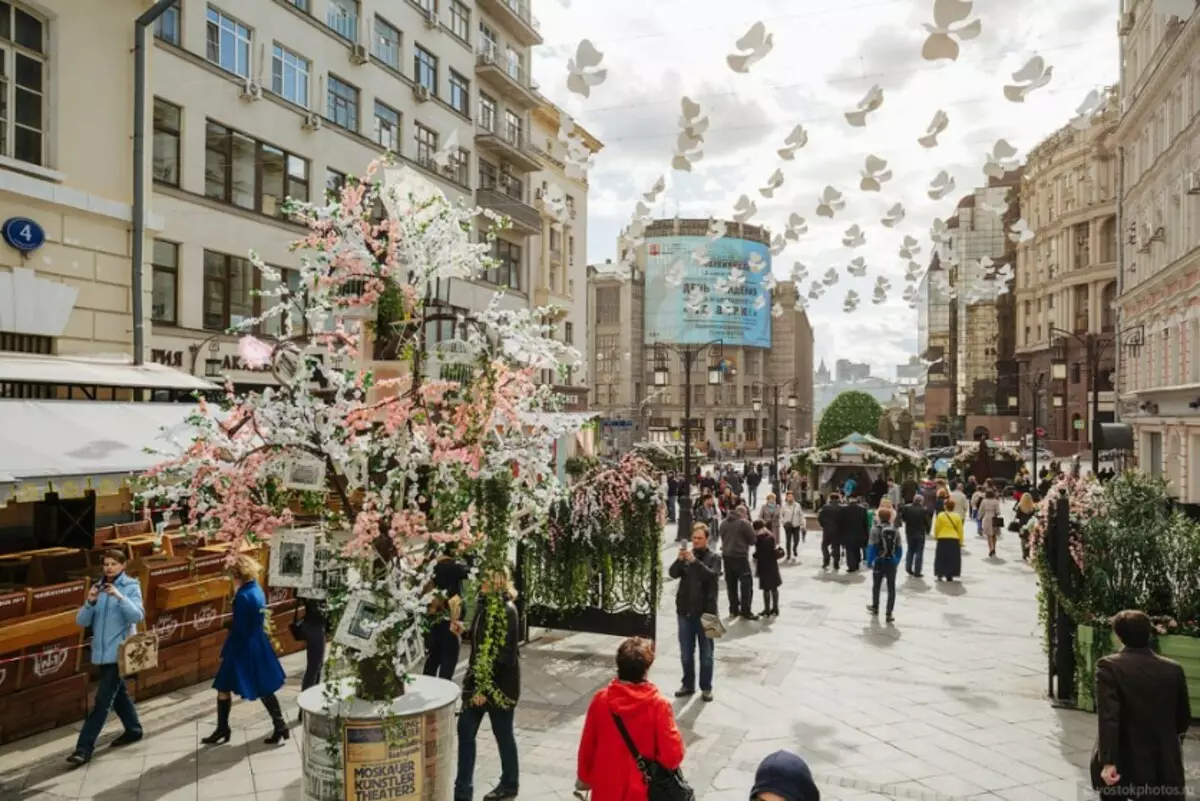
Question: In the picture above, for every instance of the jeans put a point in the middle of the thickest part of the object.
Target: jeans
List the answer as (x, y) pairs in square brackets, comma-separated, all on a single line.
[(753, 496), (443, 651), (739, 584), (671, 508), (506, 743), (884, 570), (792, 536), (691, 632), (314, 653), (111, 695), (830, 548), (914, 556)]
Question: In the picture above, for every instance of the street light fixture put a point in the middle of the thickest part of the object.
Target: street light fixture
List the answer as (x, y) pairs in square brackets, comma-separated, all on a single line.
[(757, 404), (662, 376), (792, 402)]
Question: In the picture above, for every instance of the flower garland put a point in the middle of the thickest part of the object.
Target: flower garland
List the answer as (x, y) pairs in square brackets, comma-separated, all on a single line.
[(969, 453)]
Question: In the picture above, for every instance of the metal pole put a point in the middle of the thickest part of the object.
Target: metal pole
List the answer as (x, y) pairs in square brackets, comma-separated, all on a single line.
[(1064, 652), (139, 173), (684, 529), (1093, 368), (1037, 385)]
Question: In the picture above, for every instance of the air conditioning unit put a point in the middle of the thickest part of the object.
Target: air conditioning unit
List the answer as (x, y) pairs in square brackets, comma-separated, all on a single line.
[(358, 54), (487, 56), (312, 121), (1193, 183), (1125, 24), (251, 90), (420, 93), (431, 20)]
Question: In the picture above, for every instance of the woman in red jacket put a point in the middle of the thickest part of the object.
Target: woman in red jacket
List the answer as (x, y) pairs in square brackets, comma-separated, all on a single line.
[(605, 765)]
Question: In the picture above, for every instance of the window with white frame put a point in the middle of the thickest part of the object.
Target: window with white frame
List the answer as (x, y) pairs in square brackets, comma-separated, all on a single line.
[(487, 41), (385, 44), (23, 85), (342, 17), (460, 93), (487, 112), (387, 127), (460, 166), (343, 103), (425, 69), (289, 75), (460, 20), (228, 43)]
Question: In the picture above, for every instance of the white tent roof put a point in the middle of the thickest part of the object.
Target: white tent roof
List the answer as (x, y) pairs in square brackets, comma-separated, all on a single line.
[(78, 440), (88, 372)]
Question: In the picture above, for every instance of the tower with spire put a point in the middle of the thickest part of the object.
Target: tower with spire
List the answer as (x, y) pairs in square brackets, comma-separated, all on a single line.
[(822, 374)]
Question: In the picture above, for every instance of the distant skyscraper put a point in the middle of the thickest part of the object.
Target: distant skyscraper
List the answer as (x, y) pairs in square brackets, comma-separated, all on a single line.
[(848, 371), (911, 371)]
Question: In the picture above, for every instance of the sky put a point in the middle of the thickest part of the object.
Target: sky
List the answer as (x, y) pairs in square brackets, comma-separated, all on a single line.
[(827, 55)]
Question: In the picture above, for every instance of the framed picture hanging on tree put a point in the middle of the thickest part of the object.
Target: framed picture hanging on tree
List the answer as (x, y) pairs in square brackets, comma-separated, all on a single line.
[(293, 558), (360, 622)]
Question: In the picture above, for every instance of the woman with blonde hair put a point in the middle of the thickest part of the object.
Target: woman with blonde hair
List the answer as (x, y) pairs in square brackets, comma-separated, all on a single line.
[(990, 520), (1026, 511), (948, 532), (249, 665)]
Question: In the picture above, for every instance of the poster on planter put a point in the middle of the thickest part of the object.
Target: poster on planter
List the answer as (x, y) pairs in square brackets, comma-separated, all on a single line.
[(377, 770), (321, 759)]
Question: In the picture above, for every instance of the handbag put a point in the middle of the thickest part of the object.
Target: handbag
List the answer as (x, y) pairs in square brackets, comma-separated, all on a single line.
[(998, 522), (712, 625), (661, 784), (136, 653), (296, 626)]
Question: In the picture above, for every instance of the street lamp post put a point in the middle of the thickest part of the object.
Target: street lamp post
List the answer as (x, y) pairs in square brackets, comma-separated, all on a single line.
[(1035, 384), (792, 402), (688, 354)]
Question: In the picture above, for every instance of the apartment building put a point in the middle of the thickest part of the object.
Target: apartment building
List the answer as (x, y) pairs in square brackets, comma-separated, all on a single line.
[(1158, 325), (257, 102), (1066, 279)]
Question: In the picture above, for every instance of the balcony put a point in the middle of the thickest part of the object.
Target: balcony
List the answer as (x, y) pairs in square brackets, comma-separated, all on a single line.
[(525, 218), (510, 146), (515, 17), (509, 79)]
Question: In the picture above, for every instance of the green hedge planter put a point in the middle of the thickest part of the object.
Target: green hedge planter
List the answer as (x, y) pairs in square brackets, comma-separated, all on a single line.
[(1184, 650)]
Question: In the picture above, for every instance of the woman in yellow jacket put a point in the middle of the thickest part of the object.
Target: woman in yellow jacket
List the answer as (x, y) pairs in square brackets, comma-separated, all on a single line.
[(948, 531)]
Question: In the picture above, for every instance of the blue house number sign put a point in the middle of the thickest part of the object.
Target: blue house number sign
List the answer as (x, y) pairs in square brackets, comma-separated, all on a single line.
[(23, 234)]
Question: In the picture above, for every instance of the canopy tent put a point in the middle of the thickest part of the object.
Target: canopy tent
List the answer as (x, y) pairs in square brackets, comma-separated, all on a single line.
[(69, 447), (882, 445), (80, 371)]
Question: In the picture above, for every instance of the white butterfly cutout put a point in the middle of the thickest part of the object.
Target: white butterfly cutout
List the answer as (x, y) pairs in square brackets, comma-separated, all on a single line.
[(909, 247), (941, 185), (854, 237), (943, 39), (796, 227), (875, 173), (773, 183), (1033, 76), (830, 202), (753, 47), (744, 209), (940, 122), (894, 216), (584, 71), (797, 139), (831, 277), (779, 244), (1001, 160), (799, 273), (872, 101), (857, 267)]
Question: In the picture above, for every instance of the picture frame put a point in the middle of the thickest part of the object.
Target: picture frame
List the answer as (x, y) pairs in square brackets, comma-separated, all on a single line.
[(305, 473), (293, 558), (359, 626), (412, 651), (328, 575)]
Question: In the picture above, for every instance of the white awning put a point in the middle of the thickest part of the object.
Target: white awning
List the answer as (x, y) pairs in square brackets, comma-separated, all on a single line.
[(82, 371), (72, 446)]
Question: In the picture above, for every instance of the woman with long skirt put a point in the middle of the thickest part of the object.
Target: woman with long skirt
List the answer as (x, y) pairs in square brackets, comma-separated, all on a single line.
[(989, 518), (948, 532)]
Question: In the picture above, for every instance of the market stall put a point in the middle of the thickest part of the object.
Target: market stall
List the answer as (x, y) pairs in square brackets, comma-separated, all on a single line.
[(861, 457)]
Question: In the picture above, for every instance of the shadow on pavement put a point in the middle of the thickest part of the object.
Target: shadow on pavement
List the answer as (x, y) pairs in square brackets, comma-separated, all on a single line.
[(954, 588)]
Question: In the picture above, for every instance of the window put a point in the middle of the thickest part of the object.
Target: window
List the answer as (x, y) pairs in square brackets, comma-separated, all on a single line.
[(608, 305), (228, 291), (302, 5), (387, 127), (569, 338), (606, 354), (488, 175), (514, 128), (165, 260), (342, 17), (507, 271), (334, 181), (228, 43), (699, 395), (460, 20), (427, 144), (166, 141), (167, 26), (251, 174), (487, 112), (425, 67), (289, 76), (460, 93), (22, 85), (571, 251), (488, 37), (460, 166), (516, 69), (343, 104), (386, 43), (752, 362)]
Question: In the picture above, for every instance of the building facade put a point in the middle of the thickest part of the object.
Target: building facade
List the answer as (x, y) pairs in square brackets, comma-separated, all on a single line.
[(846, 371), (257, 102), (622, 366), (1158, 324), (1066, 280)]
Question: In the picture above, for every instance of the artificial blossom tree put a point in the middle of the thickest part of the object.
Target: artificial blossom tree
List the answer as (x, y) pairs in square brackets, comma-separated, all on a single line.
[(415, 463)]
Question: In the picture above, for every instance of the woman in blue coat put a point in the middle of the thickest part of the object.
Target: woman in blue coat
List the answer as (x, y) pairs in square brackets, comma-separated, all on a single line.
[(249, 666)]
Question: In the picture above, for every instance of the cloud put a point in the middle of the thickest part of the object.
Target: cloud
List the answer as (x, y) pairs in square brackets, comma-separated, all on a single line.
[(827, 54)]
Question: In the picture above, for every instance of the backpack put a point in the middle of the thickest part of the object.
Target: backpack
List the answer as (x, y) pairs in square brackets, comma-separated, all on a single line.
[(888, 539)]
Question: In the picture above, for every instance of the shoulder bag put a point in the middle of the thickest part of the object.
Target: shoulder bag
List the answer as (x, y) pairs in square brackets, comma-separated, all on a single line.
[(137, 652), (661, 784), (296, 624)]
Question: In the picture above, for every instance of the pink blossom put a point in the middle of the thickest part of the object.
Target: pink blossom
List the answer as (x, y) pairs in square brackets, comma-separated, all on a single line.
[(254, 352)]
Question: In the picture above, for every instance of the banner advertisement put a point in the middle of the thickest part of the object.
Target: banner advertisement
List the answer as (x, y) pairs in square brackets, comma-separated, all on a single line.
[(321, 762), (377, 770), (706, 305)]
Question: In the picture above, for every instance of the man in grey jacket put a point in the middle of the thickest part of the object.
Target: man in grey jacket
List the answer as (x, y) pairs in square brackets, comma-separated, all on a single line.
[(737, 541)]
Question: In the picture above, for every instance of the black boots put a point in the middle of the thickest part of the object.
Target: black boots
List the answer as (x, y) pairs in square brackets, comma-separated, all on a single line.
[(222, 733), (280, 731)]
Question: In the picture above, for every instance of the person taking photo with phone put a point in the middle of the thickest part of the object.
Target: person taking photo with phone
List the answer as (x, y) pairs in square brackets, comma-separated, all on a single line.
[(698, 570)]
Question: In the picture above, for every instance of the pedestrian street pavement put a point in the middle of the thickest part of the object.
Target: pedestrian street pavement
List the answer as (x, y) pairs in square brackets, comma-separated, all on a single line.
[(946, 704)]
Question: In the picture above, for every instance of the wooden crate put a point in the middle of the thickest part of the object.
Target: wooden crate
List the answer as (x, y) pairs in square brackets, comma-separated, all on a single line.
[(56, 568), (26, 632), (57, 597), (178, 594), (50, 662), (103, 535), (9, 672), (42, 708), (178, 666), (203, 619), (14, 604), (206, 563), (155, 571), (209, 647), (133, 529), (168, 626)]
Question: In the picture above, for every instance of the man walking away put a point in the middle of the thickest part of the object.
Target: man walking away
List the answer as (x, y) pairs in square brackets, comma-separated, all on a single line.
[(737, 541), (1142, 712), (698, 570), (883, 557), (672, 498), (783, 776), (830, 518), (753, 479), (855, 533), (916, 520), (734, 482)]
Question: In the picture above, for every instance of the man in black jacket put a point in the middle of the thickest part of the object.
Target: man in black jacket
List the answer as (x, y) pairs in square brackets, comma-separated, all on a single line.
[(830, 518), (737, 542), (1142, 711), (698, 571), (854, 532), (916, 519), (753, 479)]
